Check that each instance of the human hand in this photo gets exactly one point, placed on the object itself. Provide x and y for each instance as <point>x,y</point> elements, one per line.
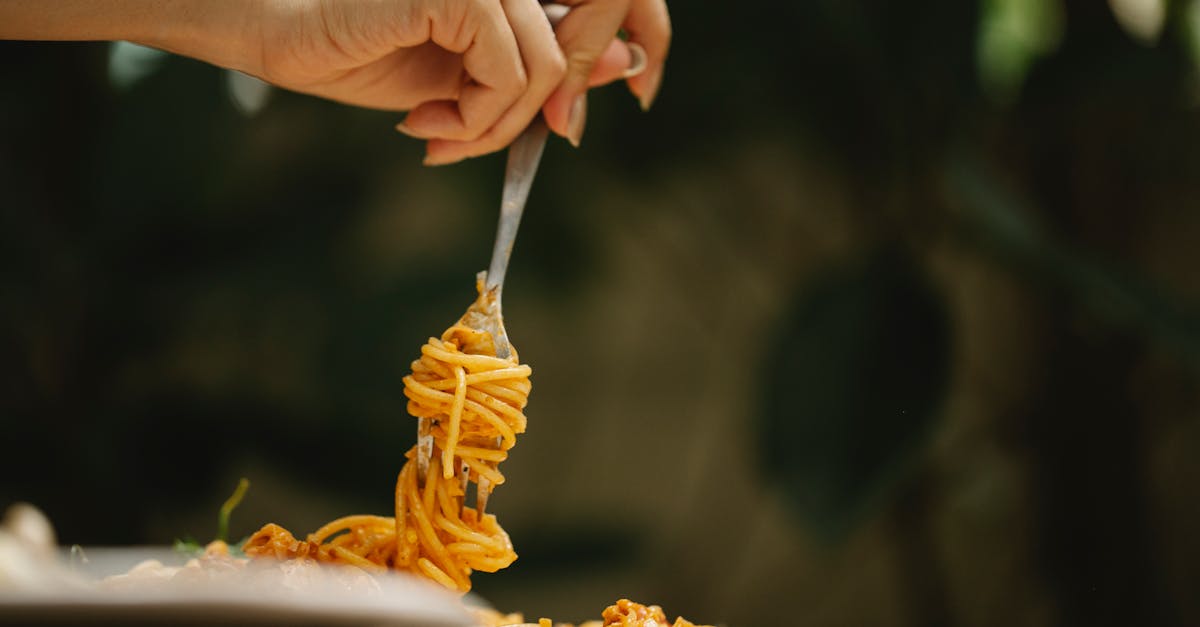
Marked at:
<point>467,69</point>
<point>474,73</point>
<point>586,30</point>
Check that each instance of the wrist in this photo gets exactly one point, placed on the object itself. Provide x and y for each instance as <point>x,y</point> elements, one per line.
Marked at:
<point>225,33</point>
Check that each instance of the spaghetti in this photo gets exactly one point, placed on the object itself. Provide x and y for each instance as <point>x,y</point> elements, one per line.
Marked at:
<point>471,403</point>
<point>474,401</point>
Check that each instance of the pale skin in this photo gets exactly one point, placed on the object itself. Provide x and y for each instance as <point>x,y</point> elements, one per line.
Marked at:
<point>472,74</point>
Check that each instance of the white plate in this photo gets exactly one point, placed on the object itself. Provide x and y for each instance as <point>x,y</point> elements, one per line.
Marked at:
<point>255,597</point>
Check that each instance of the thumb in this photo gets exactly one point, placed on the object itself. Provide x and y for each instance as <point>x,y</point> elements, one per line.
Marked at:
<point>584,35</point>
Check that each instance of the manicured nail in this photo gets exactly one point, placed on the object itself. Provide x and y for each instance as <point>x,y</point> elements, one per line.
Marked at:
<point>576,120</point>
<point>652,82</point>
<point>637,60</point>
<point>430,160</point>
<point>408,130</point>
<point>555,12</point>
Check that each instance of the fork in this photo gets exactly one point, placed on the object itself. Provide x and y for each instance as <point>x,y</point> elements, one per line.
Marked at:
<point>524,155</point>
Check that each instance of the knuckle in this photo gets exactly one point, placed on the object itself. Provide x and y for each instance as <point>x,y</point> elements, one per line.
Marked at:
<point>519,83</point>
<point>556,66</point>
<point>580,62</point>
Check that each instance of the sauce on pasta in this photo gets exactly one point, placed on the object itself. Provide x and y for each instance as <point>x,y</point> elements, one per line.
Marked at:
<point>475,401</point>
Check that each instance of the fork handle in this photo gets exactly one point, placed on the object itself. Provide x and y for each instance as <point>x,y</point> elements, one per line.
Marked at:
<point>523,158</point>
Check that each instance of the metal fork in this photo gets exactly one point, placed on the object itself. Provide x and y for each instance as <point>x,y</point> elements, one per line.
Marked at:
<point>524,155</point>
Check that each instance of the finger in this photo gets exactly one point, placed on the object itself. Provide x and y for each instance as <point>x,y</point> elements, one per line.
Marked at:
<point>620,60</point>
<point>584,35</point>
<point>649,25</point>
<point>492,60</point>
<point>545,67</point>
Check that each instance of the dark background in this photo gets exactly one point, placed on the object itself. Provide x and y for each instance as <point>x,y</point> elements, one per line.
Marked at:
<point>886,314</point>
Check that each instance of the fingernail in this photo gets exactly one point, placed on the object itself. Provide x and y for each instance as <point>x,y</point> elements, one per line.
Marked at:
<point>652,82</point>
<point>637,61</point>
<point>576,120</point>
<point>408,130</point>
<point>430,160</point>
<point>555,12</point>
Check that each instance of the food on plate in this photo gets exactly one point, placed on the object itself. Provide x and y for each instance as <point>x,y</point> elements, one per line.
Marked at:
<point>471,406</point>
<point>472,403</point>
<point>624,613</point>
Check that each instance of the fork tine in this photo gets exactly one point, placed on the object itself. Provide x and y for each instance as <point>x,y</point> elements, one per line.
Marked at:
<point>424,446</point>
<point>484,489</point>
<point>464,474</point>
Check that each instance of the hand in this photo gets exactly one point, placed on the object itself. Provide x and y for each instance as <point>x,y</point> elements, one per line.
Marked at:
<point>586,32</point>
<point>470,70</point>
<point>474,73</point>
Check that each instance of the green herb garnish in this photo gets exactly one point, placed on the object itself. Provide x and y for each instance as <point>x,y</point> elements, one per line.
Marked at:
<point>227,509</point>
<point>191,547</point>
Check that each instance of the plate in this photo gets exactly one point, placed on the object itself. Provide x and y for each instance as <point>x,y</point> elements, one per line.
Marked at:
<point>261,594</point>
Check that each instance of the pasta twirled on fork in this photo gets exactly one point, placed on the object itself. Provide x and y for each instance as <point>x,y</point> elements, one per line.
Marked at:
<point>476,403</point>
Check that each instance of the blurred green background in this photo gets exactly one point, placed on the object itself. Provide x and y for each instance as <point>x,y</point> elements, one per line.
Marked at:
<point>886,314</point>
